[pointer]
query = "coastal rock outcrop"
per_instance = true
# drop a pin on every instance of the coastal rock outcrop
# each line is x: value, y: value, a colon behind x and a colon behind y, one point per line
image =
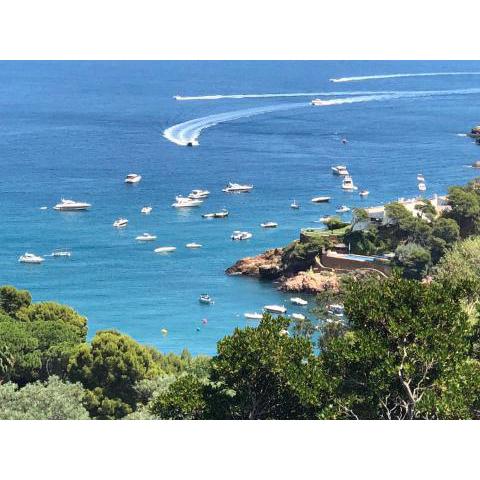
x: 311, y: 282
x: 266, y: 265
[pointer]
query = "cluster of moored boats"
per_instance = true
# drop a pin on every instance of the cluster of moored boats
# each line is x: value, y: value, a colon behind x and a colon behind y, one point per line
x: 279, y: 310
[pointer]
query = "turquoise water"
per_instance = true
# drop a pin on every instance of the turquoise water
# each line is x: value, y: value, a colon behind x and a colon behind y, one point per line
x: 75, y: 129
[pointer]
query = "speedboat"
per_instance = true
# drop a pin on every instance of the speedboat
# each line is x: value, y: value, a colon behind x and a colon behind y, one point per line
x: 294, y: 205
x: 298, y: 316
x: 30, y: 258
x: 146, y: 210
x: 184, y: 202
x: 165, y: 249
x: 222, y: 214
x: 269, y: 225
x: 238, y: 235
x: 347, y: 183
x: 71, y: 205
x: 196, y: 194
x: 321, y: 199
x: 133, y: 178
x: 420, y: 178
x: 206, y: 299
x: 146, y: 237
x: 61, y: 253
x: 193, y: 245
x: 237, y: 188
x: 253, y: 316
x: 120, y: 223
x: 340, y: 170
x: 342, y: 209
x: 299, y: 301
x: 422, y: 187
x: 317, y: 102
x: 279, y: 309
x: 364, y: 193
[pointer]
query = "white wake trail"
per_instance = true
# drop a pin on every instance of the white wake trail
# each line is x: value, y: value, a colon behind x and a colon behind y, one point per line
x: 399, y: 75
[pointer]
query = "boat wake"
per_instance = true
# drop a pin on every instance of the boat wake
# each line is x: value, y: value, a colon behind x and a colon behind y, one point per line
x: 188, y: 132
x: 399, y: 75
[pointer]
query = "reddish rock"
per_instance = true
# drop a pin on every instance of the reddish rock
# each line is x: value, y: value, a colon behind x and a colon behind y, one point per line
x: 311, y: 282
x: 267, y: 264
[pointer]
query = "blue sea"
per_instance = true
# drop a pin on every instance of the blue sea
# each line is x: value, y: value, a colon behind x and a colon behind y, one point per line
x: 75, y: 129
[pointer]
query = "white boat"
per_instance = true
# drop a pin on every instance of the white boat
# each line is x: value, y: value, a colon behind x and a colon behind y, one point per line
x: 43, y: 208
x: 298, y: 316
x: 184, y: 202
x: 30, y: 258
x: 71, y: 205
x: 206, y: 299
x: 222, y: 214
x: 344, y: 141
x: 294, y: 205
x: 238, y: 235
x: 422, y: 187
x: 340, y: 170
x: 165, y: 249
x: 323, y: 219
x: 321, y: 199
x: 120, y: 223
x: 280, y: 309
x: 347, y: 183
x: 133, y: 178
x: 299, y: 301
x: 420, y: 178
x: 253, y: 316
x: 61, y: 253
x: 335, y: 309
x: 342, y: 209
x: 193, y: 245
x: 364, y: 193
x: 237, y: 188
x: 198, y: 194
x: 146, y: 210
x: 317, y: 102
x: 146, y: 237
x: 269, y: 225
x: 208, y: 215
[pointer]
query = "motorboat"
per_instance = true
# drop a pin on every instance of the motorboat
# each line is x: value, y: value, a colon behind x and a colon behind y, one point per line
x: 294, y: 205
x: 184, y: 202
x: 298, y: 316
x: 222, y: 214
x: 30, y: 258
x: 146, y: 237
x: 43, y: 208
x: 71, y: 206
x: 165, y: 249
x: 133, y: 178
x: 61, y: 252
x: 318, y: 102
x: 422, y: 187
x: 321, y: 199
x: 342, y: 209
x: 146, y: 210
x: 269, y: 225
x: 299, y: 301
x: 120, y: 223
x: 336, y: 309
x: 253, y: 315
x: 340, y: 170
x: 347, y: 183
x: 238, y: 235
x: 193, y: 245
x: 420, y: 178
x: 198, y: 194
x: 364, y: 193
x: 164, y: 331
x: 344, y: 141
x: 279, y: 309
x: 208, y: 215
x: 206, y: 299
x: 237, y: 188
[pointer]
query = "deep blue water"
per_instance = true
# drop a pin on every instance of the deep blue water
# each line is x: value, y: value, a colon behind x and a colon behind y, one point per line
x: 75, y: 129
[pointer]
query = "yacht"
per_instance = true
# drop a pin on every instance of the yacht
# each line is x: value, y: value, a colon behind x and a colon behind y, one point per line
x: 165, y: 249
x: 61, y: 252
x: 146, y: 237
x: 184, y: 202
x: 133, y: 178
x: 237, y: 188
x: 238, y: 235
x: 422, y: 187
x: 420, y: 178
x: 298, y: 316
x: 146, y: 210
x: 342, y: 209
x: 347, y: 183
x: 340, y: 170
x: 299, y: 301
x: 269, y: 225
x: 206, y: 299
x: 193, y: 245
x: 294, y: 205
x: 317, y: 102
x: 321, y: 199
x: 275, y: 309
x: 30, y: 258
x: 71, y: 205
x: 198, y: 194
x: 364, y: 193
x: 253, y: 316
x: 120, y: 223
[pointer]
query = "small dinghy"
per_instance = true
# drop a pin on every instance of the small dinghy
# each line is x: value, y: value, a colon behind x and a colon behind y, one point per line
x: 146, y: 237
x: 364, y: 193
x: 269, y: 225
x: 206, y: 299
x: 238, y: 235
x: 193, y: 245
x: 146, y: 210
x: 321, y: 199
x: 165, y: 249
x: 120, y: 223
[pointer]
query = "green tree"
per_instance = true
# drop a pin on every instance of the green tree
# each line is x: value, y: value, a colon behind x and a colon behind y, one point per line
x: 413, y: 259
x: 11, y: 299
x: 465, y: 210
